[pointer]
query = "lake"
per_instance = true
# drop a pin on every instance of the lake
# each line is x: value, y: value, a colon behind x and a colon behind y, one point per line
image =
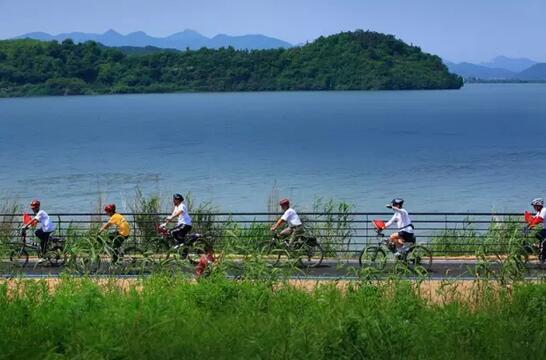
x: 481, y: 148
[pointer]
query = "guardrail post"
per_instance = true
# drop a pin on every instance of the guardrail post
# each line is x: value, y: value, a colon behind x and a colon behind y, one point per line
x: 59, y: 225
x: 134, y: 230
x: 367, y: 234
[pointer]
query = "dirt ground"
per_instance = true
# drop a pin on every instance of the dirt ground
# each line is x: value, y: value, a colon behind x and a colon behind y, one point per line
x: 433, y: 291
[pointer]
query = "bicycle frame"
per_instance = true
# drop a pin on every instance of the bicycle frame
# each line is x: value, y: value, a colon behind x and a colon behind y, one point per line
x: 375, y: 254
x: 26, y: 246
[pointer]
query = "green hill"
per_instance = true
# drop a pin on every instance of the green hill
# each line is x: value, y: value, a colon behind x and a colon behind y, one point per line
x: 359, y: 60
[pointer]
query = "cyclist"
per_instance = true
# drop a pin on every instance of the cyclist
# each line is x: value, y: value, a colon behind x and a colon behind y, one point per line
x: 46, y: 227
x: 183, y: 226
x: 532, y: 221
x: 290, y: 217
x: 405, y: 233
x: 122, y: 229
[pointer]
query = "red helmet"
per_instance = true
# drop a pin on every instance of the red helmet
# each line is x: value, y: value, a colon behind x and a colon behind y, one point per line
x: 35, y: 204
x: 110, y: 208
x: 284, y: 202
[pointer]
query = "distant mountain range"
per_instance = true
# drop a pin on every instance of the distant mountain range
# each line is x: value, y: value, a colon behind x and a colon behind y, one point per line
x: 500, y: 68
x: 514, y: 65
x: 180, y: 41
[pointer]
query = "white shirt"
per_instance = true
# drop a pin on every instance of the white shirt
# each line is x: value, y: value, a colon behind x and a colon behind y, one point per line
x: 184, y: 218
x: 45, y: 223
x: 542, y: 214
x: 291, y: 217
x: 402, y: 220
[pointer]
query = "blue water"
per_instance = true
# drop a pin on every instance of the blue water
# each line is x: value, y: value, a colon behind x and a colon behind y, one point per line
x: 481, y: 148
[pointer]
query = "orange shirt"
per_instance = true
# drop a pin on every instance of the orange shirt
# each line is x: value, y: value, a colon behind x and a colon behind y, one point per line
x: 121, y: 224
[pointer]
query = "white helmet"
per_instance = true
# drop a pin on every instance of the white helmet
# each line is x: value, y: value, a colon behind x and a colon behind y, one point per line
x: 537, y: 202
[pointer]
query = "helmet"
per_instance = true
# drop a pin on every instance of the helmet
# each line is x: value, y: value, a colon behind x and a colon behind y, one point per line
x: 284, y: 202
x: 35, y: 204
x: 397, y: 201
x: 178, y: 197
x: 110, y: 208
x: 537, y: 202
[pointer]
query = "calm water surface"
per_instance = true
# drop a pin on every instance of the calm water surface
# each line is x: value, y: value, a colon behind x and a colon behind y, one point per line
x: 478, y: 149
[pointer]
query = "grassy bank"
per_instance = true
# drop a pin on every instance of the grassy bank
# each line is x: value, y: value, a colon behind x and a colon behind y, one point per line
x: 166, y: 317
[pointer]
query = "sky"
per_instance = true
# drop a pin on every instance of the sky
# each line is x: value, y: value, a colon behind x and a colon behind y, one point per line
x: 456, y: 30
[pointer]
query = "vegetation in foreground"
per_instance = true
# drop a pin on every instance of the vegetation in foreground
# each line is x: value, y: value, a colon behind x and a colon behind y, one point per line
x: 170, y: 317
x: 360, y: 60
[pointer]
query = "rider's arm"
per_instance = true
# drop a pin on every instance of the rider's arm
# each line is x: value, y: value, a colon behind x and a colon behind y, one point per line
x: 105, y: 226
x: 34, y: 221
x: 389, y: 223
x: 277, y: 224
x: 31, y: 223
x: 173, y: 215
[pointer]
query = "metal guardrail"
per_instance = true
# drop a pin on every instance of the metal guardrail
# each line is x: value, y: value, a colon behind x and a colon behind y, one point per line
x: 345, y: 234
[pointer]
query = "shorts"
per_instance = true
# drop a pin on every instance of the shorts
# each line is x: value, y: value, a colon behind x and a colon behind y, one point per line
x: 407, y: 236
x: 179, y: 232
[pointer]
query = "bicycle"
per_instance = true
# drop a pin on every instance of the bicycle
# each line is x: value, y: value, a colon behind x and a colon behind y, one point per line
x: 305, y: 250
x: 166, y: 248
x: 375, y: 256
x: 88, y: 253
x: 531, y: 246
x: 54, y: 254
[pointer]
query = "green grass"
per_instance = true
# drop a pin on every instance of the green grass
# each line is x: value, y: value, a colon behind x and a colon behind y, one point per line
x: 8, y: 225
x: 171, y: 318
x: 502, y: 237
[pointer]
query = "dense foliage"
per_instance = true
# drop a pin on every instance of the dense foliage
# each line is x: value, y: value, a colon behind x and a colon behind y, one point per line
x: 359, y: 60
x: 170, y: 318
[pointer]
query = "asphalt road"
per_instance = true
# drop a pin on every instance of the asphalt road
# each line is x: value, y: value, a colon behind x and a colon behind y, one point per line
x: 329, y: 269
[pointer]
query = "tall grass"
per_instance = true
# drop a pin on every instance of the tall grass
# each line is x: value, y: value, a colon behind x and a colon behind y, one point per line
x: 146, y: 210
x: 502, y: 237
x: 204, y: 220
x: 333, y: 228
x: 171, y: 318
x: 9, y: 223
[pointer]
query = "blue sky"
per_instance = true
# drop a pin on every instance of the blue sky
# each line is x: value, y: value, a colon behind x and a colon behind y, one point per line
x: 461, y: 30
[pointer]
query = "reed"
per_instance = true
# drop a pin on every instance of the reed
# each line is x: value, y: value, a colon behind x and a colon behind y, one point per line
x: 170, y: 317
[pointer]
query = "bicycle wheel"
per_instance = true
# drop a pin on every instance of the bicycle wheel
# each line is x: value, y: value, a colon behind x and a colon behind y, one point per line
x: 277, y: 251
x: 420, y: 256
x: 195, y: 250
x: 132, y: 259
x: 158, y: 250
x: 272, y: 252
x: 373, y: 257
x: 87, y: 264
x: 55, y: 256
x: 310, y: 254
x: 19, y: 257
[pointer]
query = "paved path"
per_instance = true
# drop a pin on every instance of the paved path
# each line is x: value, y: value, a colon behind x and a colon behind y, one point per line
x: 329, y: 269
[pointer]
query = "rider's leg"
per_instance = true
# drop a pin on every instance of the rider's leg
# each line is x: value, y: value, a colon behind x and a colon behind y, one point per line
x: 541, y: 236
x: 44, y: 238
x: 408, y: 239
x: 396, y: 240
x: 297, y: 232
x: 179, y: 232
x: 286, y: 233
x: 117, y: 241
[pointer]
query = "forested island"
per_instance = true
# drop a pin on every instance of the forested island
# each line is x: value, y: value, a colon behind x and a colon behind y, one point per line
x: 359, y: 60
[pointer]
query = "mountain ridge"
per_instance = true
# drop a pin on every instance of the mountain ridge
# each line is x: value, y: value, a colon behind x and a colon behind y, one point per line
x: 180, y: 40
x: 494, y: 71
x: 512, y: 64
x: 359, y: 60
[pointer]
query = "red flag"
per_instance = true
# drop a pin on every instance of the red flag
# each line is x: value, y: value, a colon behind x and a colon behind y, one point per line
x: 27, y: 219
x: 379, y: 224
